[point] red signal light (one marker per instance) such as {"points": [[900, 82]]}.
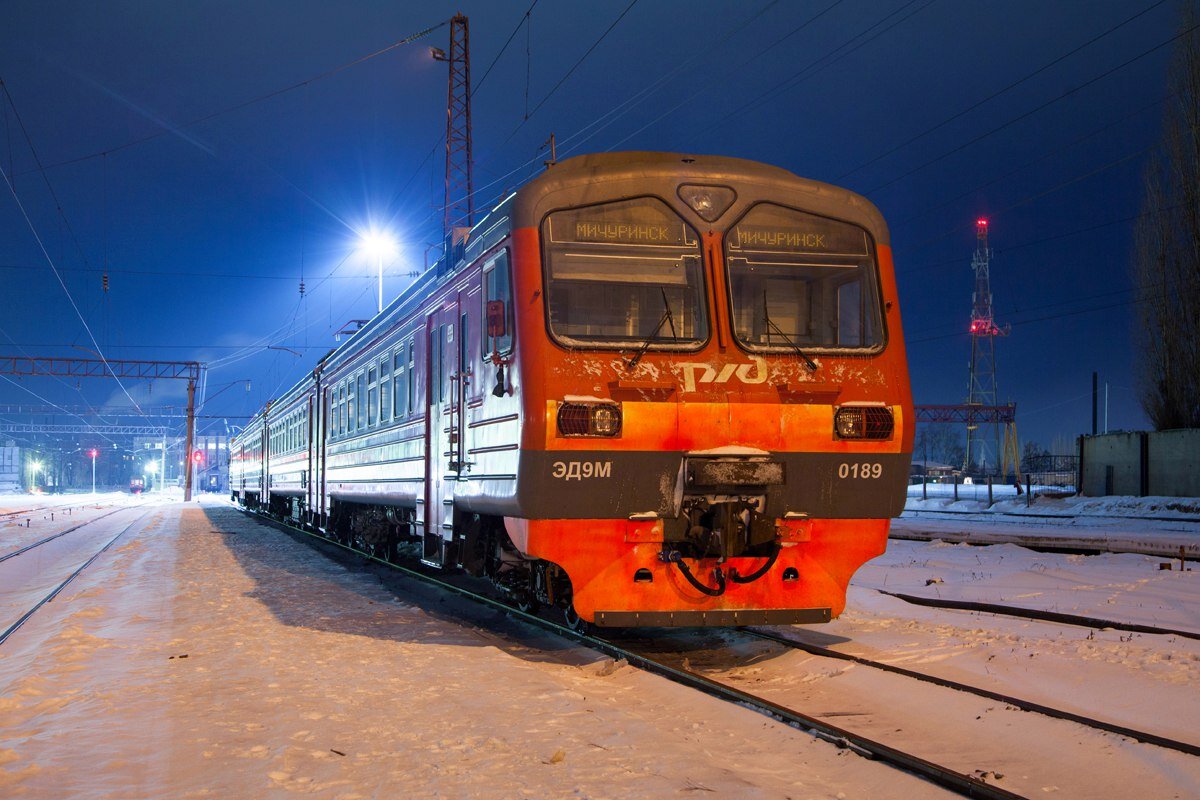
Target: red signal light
{"points": [[981, 222], [93, 452], [198, 457]]}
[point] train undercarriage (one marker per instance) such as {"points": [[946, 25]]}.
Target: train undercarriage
{"points": [[715, 532]]}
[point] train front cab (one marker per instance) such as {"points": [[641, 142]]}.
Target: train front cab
{"points": [[721, 420]]}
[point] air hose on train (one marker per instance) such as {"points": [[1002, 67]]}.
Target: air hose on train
{"points": [[676, 558]]}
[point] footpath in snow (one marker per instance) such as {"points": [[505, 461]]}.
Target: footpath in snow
{"points": [[206, 655]]}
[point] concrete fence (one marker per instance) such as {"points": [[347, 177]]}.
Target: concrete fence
{"points": [[1160, 463]]}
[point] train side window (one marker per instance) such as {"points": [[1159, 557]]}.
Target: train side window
{"points": [[385, 389], [497, 285], [332, 412], [412, 376], [361, 407], [372, 395], [463, 363], [398, 393], [351, 406], [345, 422]]}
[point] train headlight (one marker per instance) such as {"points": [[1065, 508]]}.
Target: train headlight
{"points": [[863, 422], [589, 419]]}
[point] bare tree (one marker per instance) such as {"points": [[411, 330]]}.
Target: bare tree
{"points": [[1167, 254]]}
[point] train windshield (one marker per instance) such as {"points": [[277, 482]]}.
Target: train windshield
{"points": [[625, 273], [797, 280]]}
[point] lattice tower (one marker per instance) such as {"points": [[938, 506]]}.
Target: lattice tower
{"points": [[458, 209], [984, 448]]}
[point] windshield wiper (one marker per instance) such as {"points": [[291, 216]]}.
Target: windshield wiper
{"points": [[812, 365], [666, 317]]}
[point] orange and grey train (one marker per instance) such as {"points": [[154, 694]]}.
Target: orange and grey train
{"points": [[649, 388]]}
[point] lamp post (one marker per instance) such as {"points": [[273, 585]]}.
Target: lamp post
{"points": [[93, 454], [150, 469], [378, 244], [34, 468]]}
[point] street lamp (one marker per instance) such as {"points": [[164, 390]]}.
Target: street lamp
{"points": [[150, 470], [35, 467], [93, 454], [379, 244]]}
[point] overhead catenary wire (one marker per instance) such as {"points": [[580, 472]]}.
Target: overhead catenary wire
{"points": [[253, 100], [1033, 111], [41, 245], [1027, 77]]}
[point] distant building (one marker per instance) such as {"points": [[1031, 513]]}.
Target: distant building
{"points": [[10, 470]]}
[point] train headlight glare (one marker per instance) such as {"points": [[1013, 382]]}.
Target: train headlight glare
{"points": [[864, 422], [589, 419]]}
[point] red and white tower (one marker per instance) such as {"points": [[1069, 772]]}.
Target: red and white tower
{"points": [[983, 441]]}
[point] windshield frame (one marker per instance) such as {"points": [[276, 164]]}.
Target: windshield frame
{"points": [[784, 348], [659, 343]]}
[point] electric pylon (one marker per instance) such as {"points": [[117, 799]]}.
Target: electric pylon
{"points": [[983, 441], [458, 208]]}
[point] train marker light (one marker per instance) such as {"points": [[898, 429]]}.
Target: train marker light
{"points": [[589, 419], [863, 422], [709, 202]]}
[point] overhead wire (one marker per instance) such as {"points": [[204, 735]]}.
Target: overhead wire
{"points": [[41, 245], [1031, 112], [1004, 90], [253, 100]]}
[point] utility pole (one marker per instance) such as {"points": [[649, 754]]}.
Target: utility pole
{"points": [[458, 207], [981, 385], [191, 432]]}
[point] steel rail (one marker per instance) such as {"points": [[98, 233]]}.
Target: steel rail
{"points": [[1052, 515], [41, 542], [1039, 614], [1024, 705], [947, 778], [24, 617]]}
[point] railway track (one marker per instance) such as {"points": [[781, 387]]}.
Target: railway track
{"points": [[72, 529], [15, 626], [1024, 705], [1039, 614], [945, 777]]}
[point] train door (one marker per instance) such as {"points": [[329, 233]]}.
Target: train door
{"points": [[441, 432]]}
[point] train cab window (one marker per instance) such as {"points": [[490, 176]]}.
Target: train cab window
{"points": [[800, 280], [385, 389], [372, 395], [624, 274], [497, 286]]}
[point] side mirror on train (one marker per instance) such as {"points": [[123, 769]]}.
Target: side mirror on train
{"points": [[496, 327]]}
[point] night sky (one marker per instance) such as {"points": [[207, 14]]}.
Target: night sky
{"points": [[207, 209]]}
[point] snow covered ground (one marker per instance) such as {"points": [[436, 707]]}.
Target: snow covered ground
{"points": [[206, 655]]}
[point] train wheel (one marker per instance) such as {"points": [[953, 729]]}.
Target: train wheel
{"points": [[525, 601], [575, 622]]}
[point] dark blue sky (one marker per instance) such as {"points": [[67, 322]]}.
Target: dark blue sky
{"points": [[207, 228]]}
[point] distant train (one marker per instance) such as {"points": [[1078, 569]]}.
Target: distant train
{"points": [[651, 389], [137, 485]]}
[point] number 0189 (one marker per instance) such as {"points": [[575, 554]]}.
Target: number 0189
{"points": [[864, 471]]}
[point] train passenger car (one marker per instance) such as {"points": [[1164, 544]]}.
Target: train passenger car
{"points": [[246, 462], [652, 389], [288, 434]]}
